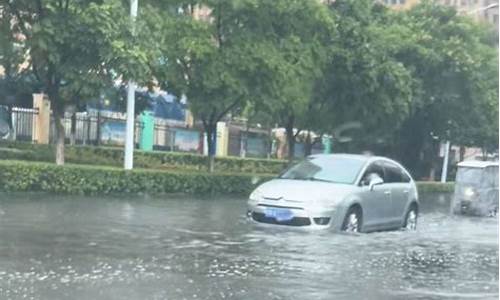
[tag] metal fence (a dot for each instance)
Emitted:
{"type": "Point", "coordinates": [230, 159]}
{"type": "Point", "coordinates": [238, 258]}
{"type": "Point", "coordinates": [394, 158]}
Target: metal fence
{"type": "Point", "coordinates": [163, 138]}
{"type": "Point", "coordinates": [22, 123]}
{"type": "Point", "coordinates": [108, 128]}
{"type": "Point", "coordinates": [94, 129]}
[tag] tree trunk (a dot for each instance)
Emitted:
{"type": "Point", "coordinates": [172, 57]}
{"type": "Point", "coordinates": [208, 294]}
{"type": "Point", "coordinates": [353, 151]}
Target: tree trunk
{"type": "Point", "coordinates": [9, 118]}
{"type": "Point", "coordinates": [60, 135]}
{"type": "Point", "coordinates": [462, 153]}
{"type": "Point", "coordinates": [290, 139]}
{"type": "Point", "coordinates": [308, 145]}
{"type": "Point", "coordinates": [211, 131]}
{"type": "Point", "coordinates": [485, 154]}
{"type": "Point", "coordinates": [243, 144]}
{"type": "Point", "coordinates": [434, 159]}
{"type": "Point", "coordinates": [98, 128]}
{"type": "Point", "coordinates": [89, 127]}
{"type": "Point", "coordinates": [72, 139]}
{"type": "Point", "coordinates": [245, 140]}
{"type": "Point", "coordinates": [270, 143]}
{"type": "Point", "coordinates": [10, 123]}
{"type": "Point", "coordinates": [432, 173]}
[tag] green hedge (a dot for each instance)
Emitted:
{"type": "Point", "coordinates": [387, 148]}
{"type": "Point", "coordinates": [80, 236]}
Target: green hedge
{"type": "Point", "coordinates": [75, 179]}
{"type": "Point", "coordinates": [435, 187]}
{"type": "Point", "coordinates": [110, 156]}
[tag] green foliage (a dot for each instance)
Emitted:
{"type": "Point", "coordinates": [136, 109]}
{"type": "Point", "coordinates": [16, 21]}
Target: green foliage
{"type": "Point", "coordinates": [107, 156]}
{"type": "Point", "coordinates": [292, 40]}
{"type": "Point", "coordinates": [206, 63]}
{"type": "Point", "coordinates": [435, 187]}
{"type": "Point", "coordinates": [342, 72]}
{"type": "Point", "coordinates": [72, 179]}
{"type": "Point", "coordinates": [410, 78]}
{"type": "Point", "coordinates": [363, 81]}
{"type": "Point", "coordinates": [16, 84]}
{"type": "Point", "coordinates": [454, 69]}
{"type": "Point", "coordinates": [74, 49]}
{"type": "Point", "coordinates": [16, 176]}
{"type": "Point", "coordinates": [250, 51]}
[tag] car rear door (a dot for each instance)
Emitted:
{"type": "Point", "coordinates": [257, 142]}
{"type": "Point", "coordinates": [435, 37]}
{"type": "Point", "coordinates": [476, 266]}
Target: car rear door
{"type": "Point", "coordinates": [399, 186]}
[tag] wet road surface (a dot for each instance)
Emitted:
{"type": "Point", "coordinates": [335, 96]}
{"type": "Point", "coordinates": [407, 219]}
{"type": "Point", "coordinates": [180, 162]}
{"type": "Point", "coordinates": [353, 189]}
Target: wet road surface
{"type": "Point", "coordinates": [56, 247]}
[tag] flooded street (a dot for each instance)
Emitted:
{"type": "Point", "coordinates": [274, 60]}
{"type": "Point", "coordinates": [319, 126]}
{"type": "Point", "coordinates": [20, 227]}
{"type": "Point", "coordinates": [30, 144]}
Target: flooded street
{"type": "Point", "coordinates": [56, 247]}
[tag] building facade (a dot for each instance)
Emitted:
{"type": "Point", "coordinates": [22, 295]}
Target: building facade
{"type": "Point", "coordinates": [480, 10]}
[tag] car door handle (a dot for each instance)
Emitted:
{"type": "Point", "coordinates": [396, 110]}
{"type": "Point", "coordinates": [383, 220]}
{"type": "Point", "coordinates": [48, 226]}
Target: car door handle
{"type": "Point", "coordinates": [387, 192]}
{"type": "Point", "coordinates": [405, 192]}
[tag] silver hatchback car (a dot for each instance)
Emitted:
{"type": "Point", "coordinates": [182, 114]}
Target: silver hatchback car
{"type": "Point", "coordinates": [344, 192]}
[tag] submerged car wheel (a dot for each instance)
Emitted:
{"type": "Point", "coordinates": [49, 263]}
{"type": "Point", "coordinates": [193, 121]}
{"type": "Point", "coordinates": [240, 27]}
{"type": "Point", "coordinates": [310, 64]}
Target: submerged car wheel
{"type": "Point", "coordinates": [493, 212]}
{"type": "Point", "coordinates": [411, 218]}
{"type": "Point", "coordinates": [353, 220]}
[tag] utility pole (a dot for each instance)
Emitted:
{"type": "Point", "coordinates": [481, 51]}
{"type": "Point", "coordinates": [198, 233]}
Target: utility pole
{"type": "Point", "coordinates": [444, 171]}
{"type": "Point", "coordinates": [129, 134]}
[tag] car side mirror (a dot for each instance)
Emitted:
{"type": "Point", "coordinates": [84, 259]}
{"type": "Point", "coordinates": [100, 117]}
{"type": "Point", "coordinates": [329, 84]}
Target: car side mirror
{"type": "Point", "coordinates": [375, 180]}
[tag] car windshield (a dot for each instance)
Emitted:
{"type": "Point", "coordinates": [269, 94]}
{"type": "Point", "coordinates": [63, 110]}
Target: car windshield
{"type": "Point", "coordinates": [470, 175]}
{"type": "Point", "coordinates": [330, 169]}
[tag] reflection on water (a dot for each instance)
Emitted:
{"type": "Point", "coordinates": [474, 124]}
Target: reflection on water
{"type": "Point", "coordinates": [149, 248]}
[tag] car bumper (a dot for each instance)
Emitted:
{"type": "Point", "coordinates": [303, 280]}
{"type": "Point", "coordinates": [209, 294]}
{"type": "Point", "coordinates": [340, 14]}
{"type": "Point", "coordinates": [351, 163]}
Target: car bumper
{"type": "Point", "coordinates": [303, 217]}
{"type": "Point", "coordinates": [473, 207]}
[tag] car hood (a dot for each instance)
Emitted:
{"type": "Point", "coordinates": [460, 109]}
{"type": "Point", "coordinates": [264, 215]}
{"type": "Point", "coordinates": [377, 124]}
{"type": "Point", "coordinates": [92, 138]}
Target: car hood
{"type": "Point", "coordinates": [305, 190]}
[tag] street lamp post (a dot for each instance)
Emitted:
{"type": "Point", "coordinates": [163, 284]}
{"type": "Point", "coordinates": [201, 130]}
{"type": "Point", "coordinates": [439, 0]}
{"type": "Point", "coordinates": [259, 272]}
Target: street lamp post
{"type": "Point", "coordinates": [129, 135]}
{"type": "Point", "coordinates": [444, 170]}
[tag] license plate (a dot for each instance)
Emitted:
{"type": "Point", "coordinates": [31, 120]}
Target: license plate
{"type": "Point", "coordinates": [280, 214]}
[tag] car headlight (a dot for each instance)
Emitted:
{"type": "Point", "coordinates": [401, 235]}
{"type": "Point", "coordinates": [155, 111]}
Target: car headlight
{"type": "Point", "coordinates": [255, 196]}
{"type": "Point", "coordinates": [469, 193]}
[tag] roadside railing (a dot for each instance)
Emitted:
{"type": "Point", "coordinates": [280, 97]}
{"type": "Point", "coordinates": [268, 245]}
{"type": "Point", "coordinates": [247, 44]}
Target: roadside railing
{"type": "Point", "coordinates": [108, 128]}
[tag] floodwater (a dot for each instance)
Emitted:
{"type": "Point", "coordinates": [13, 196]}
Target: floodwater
{"type": "Point", "coordinates": [56, 247]}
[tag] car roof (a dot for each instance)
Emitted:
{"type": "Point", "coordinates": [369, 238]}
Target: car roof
{"type": "Point", "coordinates": [477, 164]}
{"type": "Point", "coordinates": [342, 155]}
{"type": "Point", "coordinates": [361, 157]}
{"type": "Point", "coordinates": [365, 158]}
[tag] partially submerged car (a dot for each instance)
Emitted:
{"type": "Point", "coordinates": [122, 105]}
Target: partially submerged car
{"type": "Point", "coordinates": [354, 193]}
{"type": "Point", "coordinates": [476, 188]}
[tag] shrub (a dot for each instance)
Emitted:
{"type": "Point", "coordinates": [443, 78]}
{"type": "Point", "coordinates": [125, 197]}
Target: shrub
{"type": "Point", "coordinates": [76, 179]}
{"type": "Point", "coordinates": [112, 156]}
{"type": "Point", "coordinates": [435, 187]}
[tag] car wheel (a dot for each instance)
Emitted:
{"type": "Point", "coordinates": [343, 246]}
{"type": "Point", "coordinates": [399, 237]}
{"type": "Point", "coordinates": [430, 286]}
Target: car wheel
{"type": "Point", "coordinates": [411, 218]}
{"type": "Point", "coordinates": [353, 220]}
{"type": "Point", "coordinates": [493, 212]}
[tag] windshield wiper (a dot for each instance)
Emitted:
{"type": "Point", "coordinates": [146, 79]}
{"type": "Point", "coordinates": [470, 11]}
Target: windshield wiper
{"type": "Point", "coordinates": [317, 179]}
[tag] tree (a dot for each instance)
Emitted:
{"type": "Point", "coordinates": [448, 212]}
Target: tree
{"type": "Point", "coordinates": [73, 48]}
{"type": "Point", "coordinates": [363, 81]}
{"type": "Point", "coordinates": [16, 83]}
{"type": "Point", "coordinates": [291, 40]}
{"type": "Point", "coordinates": [475, 122]}
{"type": "Point", "coordinates": [330, 66]}
{"type": "Point", "coordinates": [214, 63]}
{"type": "Point", "coordinates": [454, 67]}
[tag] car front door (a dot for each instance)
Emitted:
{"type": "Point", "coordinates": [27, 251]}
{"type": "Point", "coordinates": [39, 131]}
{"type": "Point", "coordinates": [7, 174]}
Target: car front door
{"type": "Point", "coordinates": [400, 187]}
{"type": "Point", "coordinates": [376, 202]}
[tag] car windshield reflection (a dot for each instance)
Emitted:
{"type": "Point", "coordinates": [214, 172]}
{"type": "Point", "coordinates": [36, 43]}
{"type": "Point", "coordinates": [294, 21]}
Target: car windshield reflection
{"type": "Point", "coordinates": [471, 176]}
{"type": "Point", "coordinates": [342, 170]}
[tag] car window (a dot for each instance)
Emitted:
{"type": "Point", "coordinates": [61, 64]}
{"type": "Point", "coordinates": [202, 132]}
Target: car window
{"type": "Point", "coordinates": [405, 176]}
{"type": "Point", "coordinates": [393, 173]}
{"type": "Point", "coordinates": [375, 167]}
{"type": "Point", "coordinates": [491, 177]}
{"type": "Point", "coordinates": [327, 168]}
{"type": "Point", "coordinates": [470, 176]}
